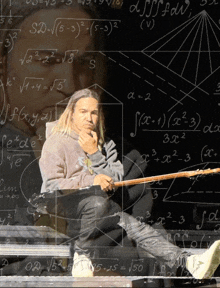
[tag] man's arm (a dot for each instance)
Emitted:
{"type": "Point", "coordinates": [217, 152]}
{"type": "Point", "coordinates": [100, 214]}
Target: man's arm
{"type": "Point", "coordinates": [53, 170]}
{"type": "Point", "coordinates": [108, 165]}
{"type": "Point", "coordinates": [101, 164]}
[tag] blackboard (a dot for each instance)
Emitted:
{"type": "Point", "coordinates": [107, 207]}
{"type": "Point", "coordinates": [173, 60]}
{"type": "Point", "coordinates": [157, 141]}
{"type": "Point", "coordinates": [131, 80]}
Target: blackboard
{"type": "Point", "coordinates": [156, 65]}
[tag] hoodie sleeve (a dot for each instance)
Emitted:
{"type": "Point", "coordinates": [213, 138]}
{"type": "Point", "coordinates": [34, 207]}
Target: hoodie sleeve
{"type": "Point", "coordinates": [53, 169]}
{"type": "Point", "coordinates": [108, 165]}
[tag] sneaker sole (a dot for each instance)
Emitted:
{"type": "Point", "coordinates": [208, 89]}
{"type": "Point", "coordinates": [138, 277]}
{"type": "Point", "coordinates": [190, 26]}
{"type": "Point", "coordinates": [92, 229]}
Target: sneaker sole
{"type": "Point", "coordinates": [210, 267]}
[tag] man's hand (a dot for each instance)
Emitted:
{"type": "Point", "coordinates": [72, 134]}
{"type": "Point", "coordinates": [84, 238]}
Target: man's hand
{"type": "Point", "coordinates": [104, 181]}
{"type": "Point", "coordinates": [89, 143]}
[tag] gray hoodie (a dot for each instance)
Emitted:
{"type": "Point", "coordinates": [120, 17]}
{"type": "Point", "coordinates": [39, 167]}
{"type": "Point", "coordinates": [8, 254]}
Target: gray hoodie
{"type": "Point", "coordinates": [64, 164]}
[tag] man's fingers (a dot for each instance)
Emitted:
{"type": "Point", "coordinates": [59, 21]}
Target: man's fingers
{"type": "Point", "coordinates": [104, 181]}
{"type": "Point", "coordinates": [107, 178]}
{"type": "Point", "coordinates": [94, 135]}
{"type": "Point", "coordinates": [86, 133]}
{"type": "Point", "coordinates": [106, 185]}
{"type": "Point", "coordinates": [81, 142]}
{"type": "Point", "coordinates": [84, 136]}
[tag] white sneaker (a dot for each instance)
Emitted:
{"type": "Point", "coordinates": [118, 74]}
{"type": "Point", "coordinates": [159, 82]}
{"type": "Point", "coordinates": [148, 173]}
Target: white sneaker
{"type": "Point", "coordinates": [82, 266]}
{"type": "Point", "coordinates": [203, 266]}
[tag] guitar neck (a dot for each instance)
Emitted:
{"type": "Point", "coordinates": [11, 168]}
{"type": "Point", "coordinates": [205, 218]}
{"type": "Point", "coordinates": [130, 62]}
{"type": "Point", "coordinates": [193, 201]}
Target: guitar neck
{"type": "Point", "coordinates": [166, 177]}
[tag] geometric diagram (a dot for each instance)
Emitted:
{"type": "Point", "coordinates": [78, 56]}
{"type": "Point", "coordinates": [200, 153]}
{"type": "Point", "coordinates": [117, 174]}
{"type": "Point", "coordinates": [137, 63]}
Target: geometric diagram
{"type": "Point", "coordinates": [143, 69]}
{"type": "Point", "coordinates": [110, 104]}
{"type": "Point", "coordinates": [197, 189]}
{"type": "Point", "coordinates": [67, 197]}
{"type": "Point", "coordinates": [60, 106]}
{"type": "Point", "coordinates": [189, 50]}
{"type": "Point", "coordinates": [10, 16]}
{"type": "Point", "coordinates": [61, 201]}
{"type": "Point", "coordinates": [111, 100]}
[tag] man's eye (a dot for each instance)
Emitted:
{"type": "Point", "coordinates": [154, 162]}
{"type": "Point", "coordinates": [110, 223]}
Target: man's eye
{"type": "Point", "coordinates": [51, 60]}
{"type": "Point", "coordinates": [84, 60]}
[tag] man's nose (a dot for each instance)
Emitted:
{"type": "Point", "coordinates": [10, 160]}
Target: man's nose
{"type": "Point", "coordinates": [89, 117]}
{"type": "Point", "coordinates": [70, 79]}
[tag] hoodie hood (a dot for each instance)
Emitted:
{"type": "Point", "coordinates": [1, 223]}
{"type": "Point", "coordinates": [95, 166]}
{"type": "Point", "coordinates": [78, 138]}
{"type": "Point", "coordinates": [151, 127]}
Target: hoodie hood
{"type": "Point", "coordinates": [49, 127]}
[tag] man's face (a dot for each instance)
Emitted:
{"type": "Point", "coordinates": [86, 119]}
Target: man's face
{"type": "Point", "coordinates": [51, 69]}
{"type": "Point", "coordinates": [85, 116]}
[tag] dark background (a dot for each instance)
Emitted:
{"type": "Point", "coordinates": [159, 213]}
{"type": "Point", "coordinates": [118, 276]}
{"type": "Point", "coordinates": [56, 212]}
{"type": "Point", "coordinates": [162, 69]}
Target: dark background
{"type": "Point", "coordinates": [181, 135]}
{"type": "Point", "coordinates": [161, 97]}
{"type": "Point", "coordinates": [162, 89]}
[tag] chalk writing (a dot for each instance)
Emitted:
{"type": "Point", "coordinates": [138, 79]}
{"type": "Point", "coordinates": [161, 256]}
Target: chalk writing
{"type": "Point", "coordinates": [209, 2]}
{"type": "Point", "coordinates": [112, 3]}
{"type": "Point", "coordinates": [57, 84]}
{"type": "Point", "coordinates": [133, 96]}
{"type": "Point", "coordinates": [70, 2]}
{"type": "Point", "coordinates": [4, 188]}
{"type": "Point", "coordinates": [166, 158]}
{"type": "Point", "coordinates": [76, 26]}
{"type": "Point", "coordinates": [21, 115]}
{"type": "Point", "coordinates": [155, 8]}
{"type": "Point", "coordinates": [208, 153]}
{"type": "Point", "coordinates": [48, 2]}
{"type": "Point", "coordinates": [10, 41]}
{"type": "Point", "coordinates": [171, 122]}
{"type": "Point", "coordinates": [211, 128]}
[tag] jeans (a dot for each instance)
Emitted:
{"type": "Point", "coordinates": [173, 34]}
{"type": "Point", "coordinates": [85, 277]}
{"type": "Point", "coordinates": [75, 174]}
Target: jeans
{"type": "Point", "coordinates": [86, 215]}
{"type": "Point", "coordinates": [152, 241]}
{"type": "Point", "coordinates": [90, 214]}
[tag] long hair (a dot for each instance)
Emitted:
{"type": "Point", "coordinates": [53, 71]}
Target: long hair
{"type": "Point", "coordinates": [65, 122]}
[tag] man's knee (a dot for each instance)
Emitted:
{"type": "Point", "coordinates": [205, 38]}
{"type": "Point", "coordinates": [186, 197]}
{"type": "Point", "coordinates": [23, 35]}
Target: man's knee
{"type": "Point", "coordinates": [98, 204]}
